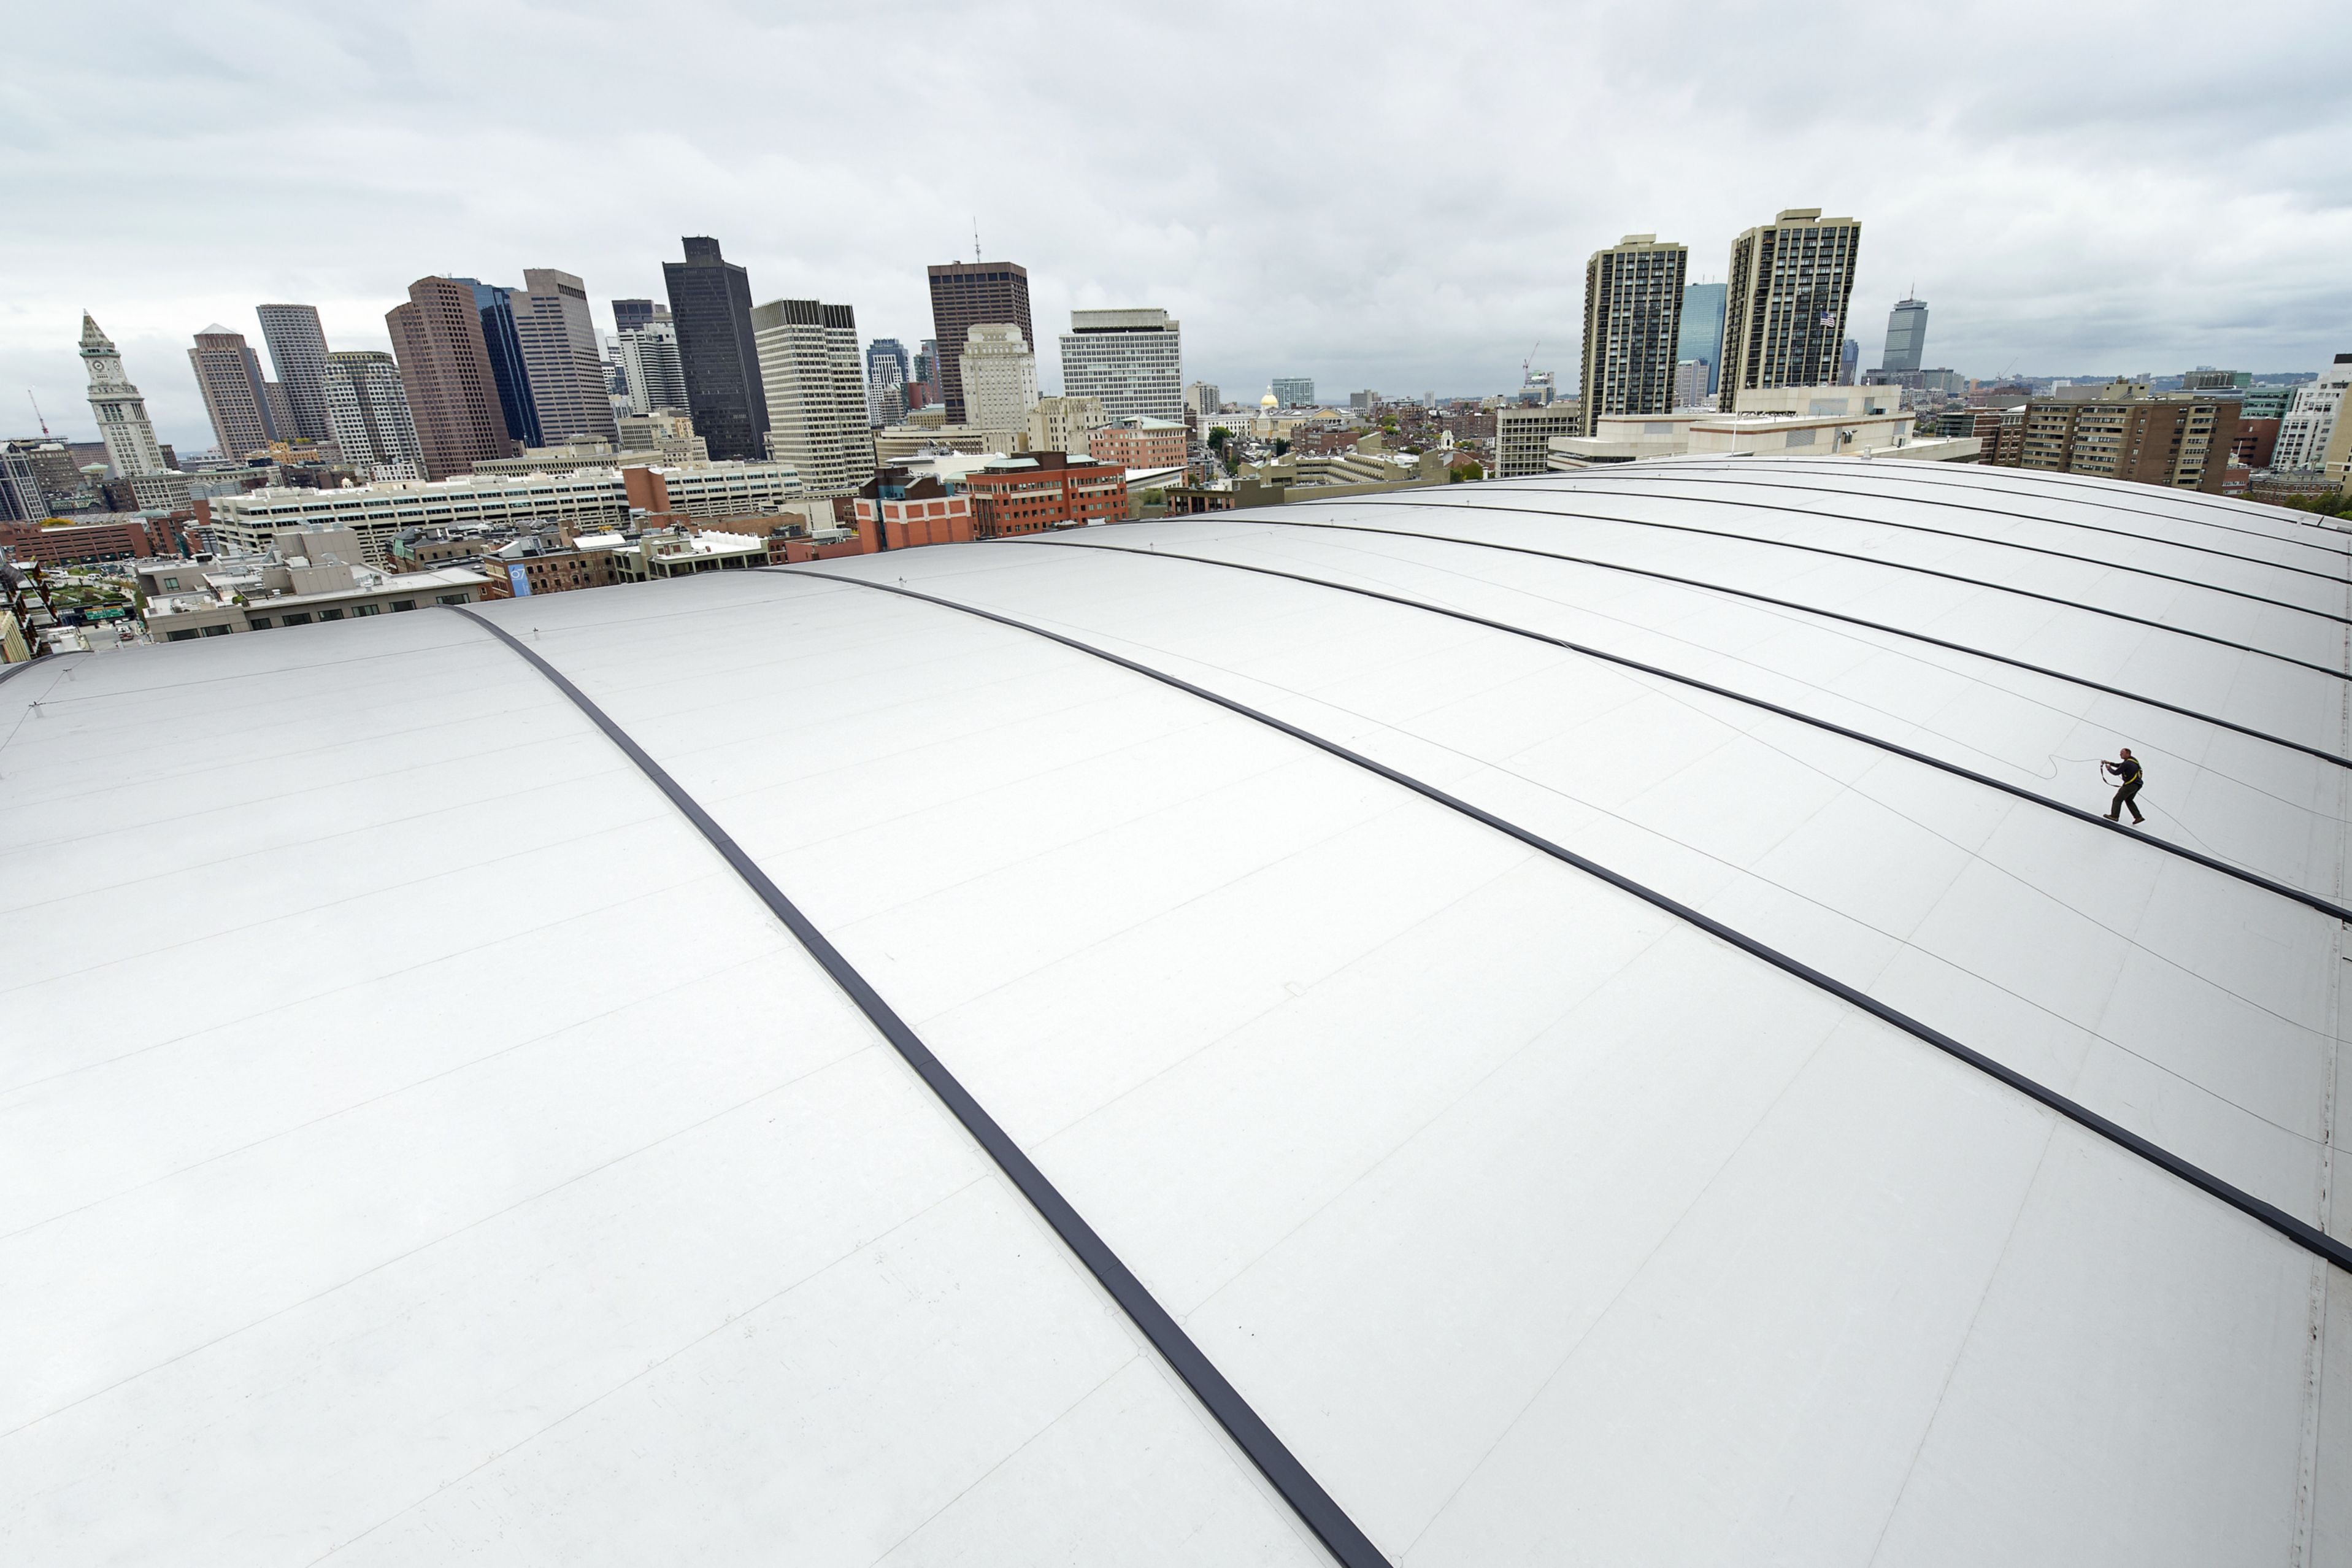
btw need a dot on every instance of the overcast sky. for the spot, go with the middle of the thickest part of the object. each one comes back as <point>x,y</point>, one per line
<point>1399,197</point>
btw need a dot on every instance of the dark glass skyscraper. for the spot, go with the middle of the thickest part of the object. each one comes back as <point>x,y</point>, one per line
<point>505,346</point>
<point>711,307</point>
<point>628,315</point>
<point>1906,335</point>
<point>1702,332</point>
<point>966,294</point>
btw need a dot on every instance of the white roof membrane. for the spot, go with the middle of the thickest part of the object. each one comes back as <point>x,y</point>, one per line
<point>416,1141</point>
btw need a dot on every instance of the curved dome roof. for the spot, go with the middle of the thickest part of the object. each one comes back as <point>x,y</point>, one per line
<point>1590,1018</point>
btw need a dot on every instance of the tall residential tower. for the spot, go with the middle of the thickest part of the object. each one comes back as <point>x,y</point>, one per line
<point>445,366</point>
<point>814,389</point>
<point>237,394</point>
<point>1633,328</point>
<point>367,411</point>
<point>1785,318</point>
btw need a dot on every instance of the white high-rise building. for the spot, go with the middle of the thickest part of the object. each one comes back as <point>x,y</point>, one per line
<point>999,378</point>
<point>650,366</point>
<point>368,415</point>
<point>1132,360</point>
<point>813,374</point>
<point>2310,419</point>
<point>561,356</point>
<point>122,414</point>
<point>1203,398</point>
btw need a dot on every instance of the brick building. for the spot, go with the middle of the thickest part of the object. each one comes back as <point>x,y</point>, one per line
<point>129,539</point>
<point>1138,441</point>
<point>897,512</point>
<point>2142,440</point>
<point>1041,490</point>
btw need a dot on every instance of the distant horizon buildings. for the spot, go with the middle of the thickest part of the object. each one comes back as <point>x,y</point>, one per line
<point>651,371</point>
<point>1131,359</point>
<point>1633,325</point>
<point>887,375</point>
<point>1292,391</point>
<point>711,308</point>
<point>561,359</point>
<point>965,294</point>
<point>298,351</point>
<point>1784,317</point>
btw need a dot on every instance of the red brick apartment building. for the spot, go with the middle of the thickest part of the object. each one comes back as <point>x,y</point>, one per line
<point>897,513</point>
<point>1137,442</point>
<point>1038,491</point>
<point>135,538</point>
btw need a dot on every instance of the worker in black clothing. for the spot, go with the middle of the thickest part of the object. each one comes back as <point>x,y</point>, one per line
<point>2127,773</point>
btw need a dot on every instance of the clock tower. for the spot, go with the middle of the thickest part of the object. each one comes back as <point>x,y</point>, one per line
<point>121,413</point>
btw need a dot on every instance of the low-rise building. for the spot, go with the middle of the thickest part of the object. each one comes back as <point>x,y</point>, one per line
<point>669,431</point>
<point>119,539</point>
<point>1827,421</point>
<point>900,510</point>
<point>305,576</point>
<point>1524,433</point>
<point>1065,425</point>
<point>523,568</point>
<point>1139,441</point>
<point>894,444</point>
<point>1042,490</point>
<point>663,552</point>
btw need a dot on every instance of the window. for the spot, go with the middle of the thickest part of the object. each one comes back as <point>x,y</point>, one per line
<point>259,623</point>
<point>330,615</point>
<point>219,631</point>
<point>403,603</point>
<point>179,636</point>
<point>450,599</point>
<point>299,618</point>
<point>367,610</point>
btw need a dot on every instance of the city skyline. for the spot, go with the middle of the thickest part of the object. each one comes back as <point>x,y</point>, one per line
<point>2058,229</point>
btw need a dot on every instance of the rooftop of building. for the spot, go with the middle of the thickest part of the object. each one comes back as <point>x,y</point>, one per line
<point>1564,1035</point>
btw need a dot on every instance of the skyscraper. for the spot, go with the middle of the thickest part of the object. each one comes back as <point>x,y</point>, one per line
<point>1292,391</point>
<point>923,388</point>
<point>711,307</point>
<point>1785,317</point>
<point>1906,335</point>
<point>886,381</point>
<point>560,357</point>
<point>965,294</point>
<point>1132,360</point>
<point>1850,363</point>
<point>367,409</point>
<point>298,351</point>
<point>1702,333</point>
<point>445,366</point>
<point>228,373</point>
<point>998,371</point>
<point>651,366</point>
<point>1633,321</point>
<point>628,315</point>
<point>121,412</point>
<point>502,340</point>
<point>814,389</point>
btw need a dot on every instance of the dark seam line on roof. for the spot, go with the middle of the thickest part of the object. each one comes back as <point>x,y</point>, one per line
<point>14,670</point>
<point>1720,474</point>
<point>1868,561</point>
<point>1282,1468</point>
<point>2057,481</point>
<point>2309,1238</point>
<point>2253,879</point>
<point>1975,538</point>
<point>2083,681</point>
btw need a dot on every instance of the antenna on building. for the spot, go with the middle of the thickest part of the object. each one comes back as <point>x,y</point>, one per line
<point>975,240</point>
<point>36,411</point>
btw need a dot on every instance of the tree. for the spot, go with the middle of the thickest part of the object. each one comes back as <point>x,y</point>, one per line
<point>1218,438</point>
<point>1463,472</point>
<point>1281,445</point>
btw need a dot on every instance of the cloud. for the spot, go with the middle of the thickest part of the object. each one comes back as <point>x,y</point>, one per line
<point>1398,196</point>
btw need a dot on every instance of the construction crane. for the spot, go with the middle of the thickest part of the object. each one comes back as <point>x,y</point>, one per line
<point>1528,365</point>
<point>36,412</point>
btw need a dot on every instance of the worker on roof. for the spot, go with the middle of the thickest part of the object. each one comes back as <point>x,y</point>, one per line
<point>2127,775</point>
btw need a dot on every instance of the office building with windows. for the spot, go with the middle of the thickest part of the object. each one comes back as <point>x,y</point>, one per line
<point>630,314</point>
<point>1292,391</point>
<point>298,351</point>
<point>1701,337</point>
<point>814,389</point>
<point>998,372</point>
<point>1784,320</point>
<point>237,394</point>
<point>369,417</point>
<point>1133,360</point>
<point>561,358</point>
<point>2310,419</point>
<point>1906,335</point>
<point>966,294</point>
<point>1633,323</point>
<point>886,381</point>
<point>502,341</point>
<point>651,370</point>
<point>711,307</point>
<point>453,391</point>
